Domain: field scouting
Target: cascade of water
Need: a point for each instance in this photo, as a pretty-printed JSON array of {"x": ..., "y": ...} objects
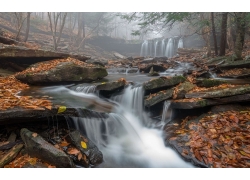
[
  {"x": 180, "y": 43},
  {"x": 166, "y": 113},
  {"x": 170, "y": 48},
  {"x": 86, "y": 89},
  {"x": 144, "y": 49},
  {"x": 151, "y": 49},
  {"x": 162, "y": 47},
  {"x": 156, "y": 43},
  {"x": 123, "y": 138}
]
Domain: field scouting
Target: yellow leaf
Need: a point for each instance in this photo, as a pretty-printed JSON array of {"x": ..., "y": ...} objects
[
  {"x": 83, "y": 144},
  {"x": 103, "y": 83},
  {"x": 61, "y": 109}
]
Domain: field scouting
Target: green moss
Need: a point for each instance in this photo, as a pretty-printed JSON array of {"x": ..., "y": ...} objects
[
  {"x": 211, "y": 83},
  {"x": 202, "y": 103}
]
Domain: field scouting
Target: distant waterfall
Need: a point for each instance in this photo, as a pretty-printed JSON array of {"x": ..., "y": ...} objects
[
  {"x": 144, "y": 49},
  {"x": 170, "y": 48},
  {"x": 162, "y": 47},
  {"x": 151, "y": 53},
  {"x": 180, "y": 43},
  {"x": 156, "y": 43}
]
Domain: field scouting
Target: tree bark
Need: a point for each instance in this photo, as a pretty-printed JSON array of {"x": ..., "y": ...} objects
[
  {"x": 223, "y": 39},
  {"x": 27, "y": 27},
  {"x": 214, "y": 34},
  {"x": 230, "y": 39},
  {"x": 240, "y": 33}
]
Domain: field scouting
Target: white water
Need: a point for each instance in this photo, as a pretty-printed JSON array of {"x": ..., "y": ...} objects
[
  {"x": 167, "y": 113},
  {"x": 125, "y": 140},
  {"x": 86, "y": 89},
  {"x": 162, "y": 47},
  {"x": 156, "y": 44},
  {"x": 170, "y": 48},
  {"x": 180, "y": 43},
  {"x": 144, "y": 49}
]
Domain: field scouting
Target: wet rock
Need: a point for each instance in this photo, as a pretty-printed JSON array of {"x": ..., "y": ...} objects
[
  {"x": 183, "y": 88},
  {"x": 36, "y": 146},
  {"x": 110, "y": 86},
  {"x": 155, "y": 98},
  {"x": 153, "y": 73},
  {"x": 163, "y": 81},
  {"x": 37, "y": 165},
  {"x": 235, "y": 64},
  {"x": 87, "y": 147},
  {"x": 63, "y": 72},
  {"x": 209, "y": 82},
  {"x": 220, "y": 92},
  {"x": 156, "y": 67},
  {"x": 119, "y": 56},
  {"x": 199, "y": 103}
]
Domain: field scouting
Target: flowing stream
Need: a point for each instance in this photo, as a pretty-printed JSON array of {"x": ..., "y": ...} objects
[{"x": 124, "y": 137}]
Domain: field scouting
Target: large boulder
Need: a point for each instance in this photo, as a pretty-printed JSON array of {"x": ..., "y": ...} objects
[
  {"x": 37, "y": 147},
  {"x": 63, "y": 70},
  {"x": 163, "y": 81}
]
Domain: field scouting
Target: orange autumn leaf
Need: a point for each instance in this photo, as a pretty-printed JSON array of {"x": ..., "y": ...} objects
[{"x": 73, "y": 151}]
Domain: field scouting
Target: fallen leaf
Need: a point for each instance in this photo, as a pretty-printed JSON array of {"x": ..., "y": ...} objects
[
  {"x": 83, "y": 144},
  {"x": 34, "y": 134},
  {"x": 73, "y": 151}
]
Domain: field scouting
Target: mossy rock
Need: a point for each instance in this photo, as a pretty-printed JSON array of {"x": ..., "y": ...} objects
[
  {"x": 209, "y": 82},
  {"x": 163, "y": 81}
]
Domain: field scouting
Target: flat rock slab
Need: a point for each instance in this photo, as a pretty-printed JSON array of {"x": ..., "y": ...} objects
[
  {"x": 156, "y": 67},
  {"x": 8, "y": 115},
  {"x": 62, "y": 72},
  {"x": 7, "y": 51},
  {"x": 182, "y": 89},
  {"x": 199, "y": 103},
  {"x": 36, "y": 146},
  {"x": 158, "y": 97},
  {"x": 235, "y": 64},
  {"x": 163, "y": 81},
  {"x": 209, "y": 82},
  {"x": 110, "y": 86},
  {"x": 220, "y": 92}
]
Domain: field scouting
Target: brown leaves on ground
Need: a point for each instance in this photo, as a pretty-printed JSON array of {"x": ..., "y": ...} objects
[
  {"x": 9, "y": 89},
  {"x": 219, "y": 140},
  {"x": 47, "y": 65},
  {"x": 21, "y": 160},
  {"x": 235, "y": 72},
  {"x": 222, "y": 86}
]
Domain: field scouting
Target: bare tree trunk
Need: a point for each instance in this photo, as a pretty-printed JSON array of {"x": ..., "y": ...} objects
[
  {"x": 223, "y": 39},
  {"x": 240, "y": 33},
  {"x": 230, "y": 39},
  {"x": 79, "y": 33},
  {"x": 61, "y": 28},
  {"x": 52, "y": 31},
  {"x": 214, "y": 34},
  {"x": 206, "y": 36},
  {"x": 28, "y": 27}
]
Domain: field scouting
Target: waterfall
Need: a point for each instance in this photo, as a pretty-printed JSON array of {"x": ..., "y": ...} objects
[
  {"x": 151, "y": 53},
  {"x": 156, "y": 43},
  {"x": 86, "y": 89},
  {"x": 166, "y": 113},
  {"x": 144, "y": 49},
  {"x": 180, "y": 43},
  {"x": 123, "y": 137},
  {"x": 170, "y": 48},
  {"x": 162, "y": 47}
]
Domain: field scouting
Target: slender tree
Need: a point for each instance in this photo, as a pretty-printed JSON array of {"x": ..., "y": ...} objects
[
  {"x": 214, "y": 34},
  {"x": 223, "y": 39},
  {"x": 27, "y": 27},
  {"x": 240, "y": 33}
]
